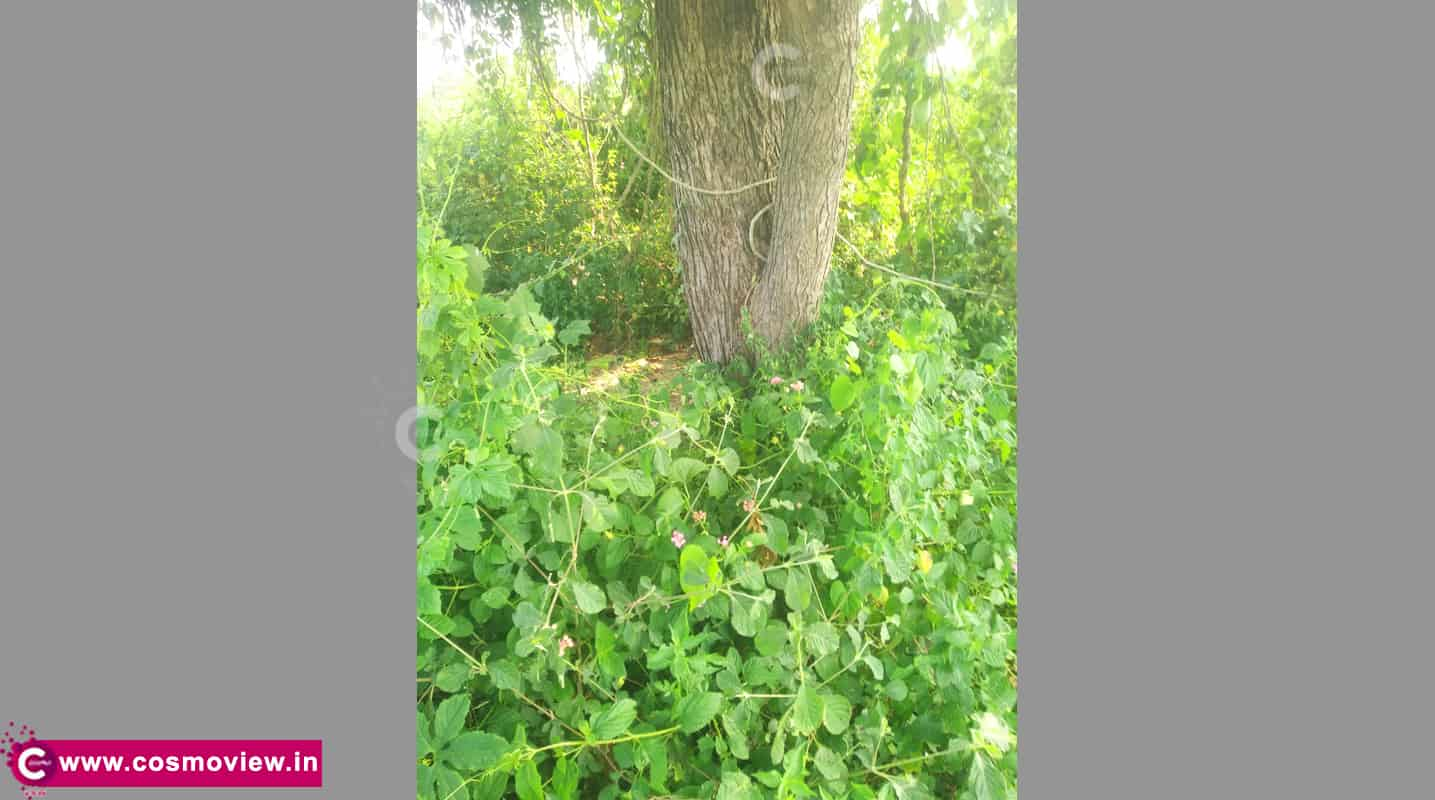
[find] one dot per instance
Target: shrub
(796, 582)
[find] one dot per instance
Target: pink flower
(749, 505)
(565, 643)
(679, 539)
(797, 386)
(700, 517)
(776, 380)
(723, 540)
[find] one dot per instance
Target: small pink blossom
(679, 539)
(749, 505)
(700, 517)
(723, 540)
(565, 643)
(797, 386)
(776, 380)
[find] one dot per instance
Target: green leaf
(657, 751)
(875, 664)
(450, 784)
(493, 786)
(750, 577)
(803, 449)
(424, 746)
(529, 437)
(836, 712)
(987, 781)
(670, 503)
(641, 484)
(606, 645)
(797, 590)
(695, 711)
(772, 639)
(505, 676)
(729, 460)
(428, 598)
(448, 720)
(807, 710)
(574, 331)
(497, 597)
(992, 731)
(717, 483)
(906, 787)
(736, 735)
(599, 512)
(699, 575)
(747, 616)
(475, 751)
(683, 469)
(468, 530)
(527, 617)
(737, 786)
(829, 764)
(821, 639)
(843, 392)
(425, 781)
(452, 677)
(565, 779)
(527, 782)
(613, 721)
(693, 567)
(590, 598)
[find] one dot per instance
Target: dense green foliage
(794, 578)
(519, 189)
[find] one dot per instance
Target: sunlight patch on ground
(613, 370)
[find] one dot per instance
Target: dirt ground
(655, 364)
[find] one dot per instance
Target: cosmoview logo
(31, 761)
(35, 762)
(41, 766)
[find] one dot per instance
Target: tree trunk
(752, 91)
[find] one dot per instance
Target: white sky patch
(952, 56)
(577, 56)
(437, 66)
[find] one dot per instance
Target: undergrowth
(797, 582)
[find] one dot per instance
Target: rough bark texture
(726, 127)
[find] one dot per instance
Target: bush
(500, 176)
(799, 581)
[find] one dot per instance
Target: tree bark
(749, 91)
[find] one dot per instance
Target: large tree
(755, 92)
(755, 99)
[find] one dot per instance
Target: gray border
(203, 279)
(1225, 408)
(206, 315)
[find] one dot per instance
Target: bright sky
(437, 67)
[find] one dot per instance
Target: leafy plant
(794, 578)
(796, 586)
